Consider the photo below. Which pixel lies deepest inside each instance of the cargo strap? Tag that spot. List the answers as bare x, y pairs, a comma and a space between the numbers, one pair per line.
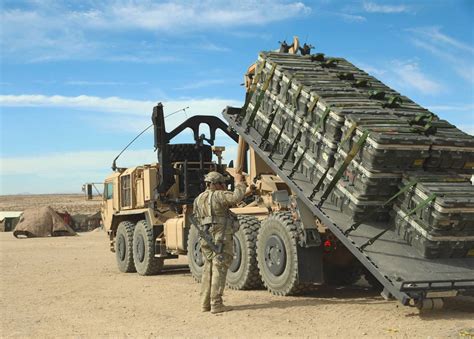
290, 150
420, 206
298, 163
277, 140
421, 118
393, 101
313, 104
378, 95
317, 57
329, 63
321, 180
319, 184
345, 76
423, 123
252, 90
361, 83
322, 120
353, 152
376, 209
261, 94
266, 133
297, 95
348, 134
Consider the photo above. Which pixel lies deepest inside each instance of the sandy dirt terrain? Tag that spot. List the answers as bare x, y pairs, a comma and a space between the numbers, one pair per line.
72, 203
70, 286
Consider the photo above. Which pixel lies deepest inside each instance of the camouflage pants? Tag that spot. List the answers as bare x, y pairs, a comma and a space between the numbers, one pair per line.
215, 270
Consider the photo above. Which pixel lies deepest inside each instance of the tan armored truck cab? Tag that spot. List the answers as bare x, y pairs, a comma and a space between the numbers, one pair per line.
145, 212
145, 208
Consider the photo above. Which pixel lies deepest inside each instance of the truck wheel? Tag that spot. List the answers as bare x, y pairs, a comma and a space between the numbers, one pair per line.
277, 255
124, 247
144, 250
195, 259
243, 271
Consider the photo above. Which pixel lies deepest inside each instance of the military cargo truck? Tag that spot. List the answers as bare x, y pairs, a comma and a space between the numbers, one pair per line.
146, 212
324, 147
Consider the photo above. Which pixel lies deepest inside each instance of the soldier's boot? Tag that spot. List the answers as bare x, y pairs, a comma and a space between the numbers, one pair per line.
219, 273
220, 309
206, 287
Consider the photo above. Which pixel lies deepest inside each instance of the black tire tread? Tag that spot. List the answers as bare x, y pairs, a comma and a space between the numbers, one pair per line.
250, 226
155, 265
128, 227
196, 276
294, 288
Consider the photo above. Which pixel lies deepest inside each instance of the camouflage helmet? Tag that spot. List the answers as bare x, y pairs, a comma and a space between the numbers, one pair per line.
214, 178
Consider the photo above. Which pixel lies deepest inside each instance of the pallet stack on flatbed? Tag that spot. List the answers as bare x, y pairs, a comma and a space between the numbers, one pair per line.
373, 153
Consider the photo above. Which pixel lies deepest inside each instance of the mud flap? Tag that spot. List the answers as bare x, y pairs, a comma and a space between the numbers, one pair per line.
310, 264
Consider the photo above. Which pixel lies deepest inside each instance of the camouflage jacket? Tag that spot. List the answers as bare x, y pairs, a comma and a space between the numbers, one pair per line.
212, 207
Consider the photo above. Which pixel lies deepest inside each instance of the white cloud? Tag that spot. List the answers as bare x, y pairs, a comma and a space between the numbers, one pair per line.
454, 53
103, 83
64, 172
408, 74
371, 69
403, 75
455, 108
109, 104
54, 163
209, 46
134, 114
351, 17
67, 172
207, 106
47, 32
201, 84
372, 7
435, 35
469, 129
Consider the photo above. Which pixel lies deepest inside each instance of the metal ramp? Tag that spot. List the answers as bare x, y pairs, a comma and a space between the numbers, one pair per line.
404, 274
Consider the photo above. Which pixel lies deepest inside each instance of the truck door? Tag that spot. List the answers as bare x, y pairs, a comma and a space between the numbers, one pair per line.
108, 204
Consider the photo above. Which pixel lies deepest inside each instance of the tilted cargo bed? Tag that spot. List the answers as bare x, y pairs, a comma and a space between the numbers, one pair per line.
402, 271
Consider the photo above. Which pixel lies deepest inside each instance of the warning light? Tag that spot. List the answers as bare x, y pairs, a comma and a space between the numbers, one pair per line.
327, 245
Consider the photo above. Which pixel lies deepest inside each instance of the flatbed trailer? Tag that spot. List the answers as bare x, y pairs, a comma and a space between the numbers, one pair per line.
402, 271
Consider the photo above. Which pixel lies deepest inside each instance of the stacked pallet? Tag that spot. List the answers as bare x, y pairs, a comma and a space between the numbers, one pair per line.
437, 214
355, 138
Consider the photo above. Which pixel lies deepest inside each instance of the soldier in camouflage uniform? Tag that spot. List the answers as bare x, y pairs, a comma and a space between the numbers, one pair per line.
211, 209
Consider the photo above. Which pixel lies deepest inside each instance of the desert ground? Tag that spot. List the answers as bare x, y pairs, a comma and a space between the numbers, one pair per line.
70, 286
72, 203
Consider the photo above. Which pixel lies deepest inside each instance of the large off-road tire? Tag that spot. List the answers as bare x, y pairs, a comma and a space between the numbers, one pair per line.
243, 271
195, 259
144, 250
277, 255
124, 247
181, 152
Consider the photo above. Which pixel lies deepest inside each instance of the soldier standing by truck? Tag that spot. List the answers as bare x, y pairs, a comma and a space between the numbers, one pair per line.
212, 212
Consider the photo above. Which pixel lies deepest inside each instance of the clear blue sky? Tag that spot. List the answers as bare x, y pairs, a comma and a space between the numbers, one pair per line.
79, 78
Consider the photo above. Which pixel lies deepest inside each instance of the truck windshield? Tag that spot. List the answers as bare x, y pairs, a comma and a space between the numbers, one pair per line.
108, 191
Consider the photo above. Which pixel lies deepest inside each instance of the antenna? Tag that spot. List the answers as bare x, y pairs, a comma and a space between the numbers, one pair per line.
114, 165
